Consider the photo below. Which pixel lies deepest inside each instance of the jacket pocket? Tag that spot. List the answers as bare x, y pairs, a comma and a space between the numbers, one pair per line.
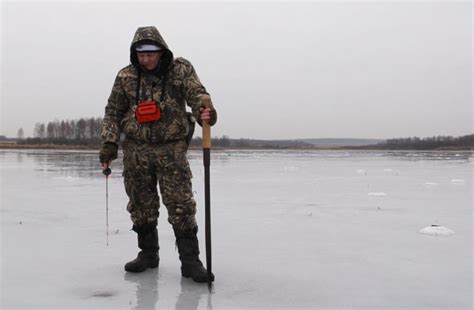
130, 126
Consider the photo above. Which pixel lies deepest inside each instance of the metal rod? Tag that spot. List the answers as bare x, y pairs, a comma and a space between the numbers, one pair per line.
107, 171
207, 195
107, 207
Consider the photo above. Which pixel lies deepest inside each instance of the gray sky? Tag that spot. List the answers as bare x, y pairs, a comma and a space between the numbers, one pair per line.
274, 70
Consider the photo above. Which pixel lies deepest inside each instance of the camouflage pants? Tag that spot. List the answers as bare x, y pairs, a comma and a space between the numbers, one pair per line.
147, 165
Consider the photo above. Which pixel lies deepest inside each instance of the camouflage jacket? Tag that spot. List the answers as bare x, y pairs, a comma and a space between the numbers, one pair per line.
175, 81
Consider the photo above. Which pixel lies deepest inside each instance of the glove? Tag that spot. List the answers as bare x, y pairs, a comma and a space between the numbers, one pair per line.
212, 113
108, 152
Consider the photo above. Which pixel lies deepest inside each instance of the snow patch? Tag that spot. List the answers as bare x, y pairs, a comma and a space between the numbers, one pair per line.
457, 181
431, 184
377, 194
435, 230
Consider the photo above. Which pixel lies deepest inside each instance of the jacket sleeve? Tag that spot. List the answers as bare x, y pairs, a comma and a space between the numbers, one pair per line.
194, 90
114, 111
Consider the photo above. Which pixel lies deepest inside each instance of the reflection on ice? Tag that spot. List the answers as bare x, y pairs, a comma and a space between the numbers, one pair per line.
191, 295
147, 292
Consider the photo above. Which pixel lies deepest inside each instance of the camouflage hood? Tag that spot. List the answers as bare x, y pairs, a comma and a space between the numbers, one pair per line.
151, 35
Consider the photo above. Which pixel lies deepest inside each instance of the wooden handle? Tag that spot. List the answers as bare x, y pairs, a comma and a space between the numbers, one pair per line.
206, 128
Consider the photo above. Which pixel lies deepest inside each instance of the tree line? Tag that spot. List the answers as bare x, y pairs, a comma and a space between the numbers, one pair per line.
82, 131
429, 143
86, 131
227, 142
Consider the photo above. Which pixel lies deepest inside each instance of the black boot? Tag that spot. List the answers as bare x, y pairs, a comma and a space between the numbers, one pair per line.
148, 242
188, 248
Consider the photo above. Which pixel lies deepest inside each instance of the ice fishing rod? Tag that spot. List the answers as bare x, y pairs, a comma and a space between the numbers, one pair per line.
107, 171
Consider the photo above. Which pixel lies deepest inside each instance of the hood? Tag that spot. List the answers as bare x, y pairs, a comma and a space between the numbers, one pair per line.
151, 35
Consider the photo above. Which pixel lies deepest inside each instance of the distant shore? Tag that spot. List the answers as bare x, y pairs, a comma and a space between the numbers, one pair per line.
194, 147
47, 146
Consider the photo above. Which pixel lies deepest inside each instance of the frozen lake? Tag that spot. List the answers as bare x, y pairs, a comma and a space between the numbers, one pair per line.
291, 229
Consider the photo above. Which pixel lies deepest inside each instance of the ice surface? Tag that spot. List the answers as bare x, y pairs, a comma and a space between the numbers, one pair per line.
291, 230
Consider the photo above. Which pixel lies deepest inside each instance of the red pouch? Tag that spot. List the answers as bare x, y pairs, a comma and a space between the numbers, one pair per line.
147, 111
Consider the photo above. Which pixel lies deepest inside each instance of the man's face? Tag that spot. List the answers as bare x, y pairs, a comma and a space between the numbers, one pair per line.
149, 61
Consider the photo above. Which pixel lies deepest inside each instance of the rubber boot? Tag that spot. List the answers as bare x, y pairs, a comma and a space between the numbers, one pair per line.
188, 248
148, 243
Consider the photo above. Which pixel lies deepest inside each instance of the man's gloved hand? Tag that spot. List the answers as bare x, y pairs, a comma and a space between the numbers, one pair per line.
207, 114
108, 152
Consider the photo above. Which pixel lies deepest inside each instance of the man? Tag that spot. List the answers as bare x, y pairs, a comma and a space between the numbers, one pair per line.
148, 105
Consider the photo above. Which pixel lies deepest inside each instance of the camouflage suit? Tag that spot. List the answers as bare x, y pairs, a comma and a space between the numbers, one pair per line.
155, 152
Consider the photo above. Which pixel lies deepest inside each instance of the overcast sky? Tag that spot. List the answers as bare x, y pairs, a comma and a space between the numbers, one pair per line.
274, 70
